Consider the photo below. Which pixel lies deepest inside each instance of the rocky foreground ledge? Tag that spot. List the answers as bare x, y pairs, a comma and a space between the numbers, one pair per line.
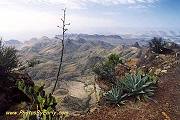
10, 95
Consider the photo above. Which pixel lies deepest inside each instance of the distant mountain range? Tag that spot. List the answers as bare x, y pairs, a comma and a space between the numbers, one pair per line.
76, 58
126, 39
14, 43
113, 39
81, 53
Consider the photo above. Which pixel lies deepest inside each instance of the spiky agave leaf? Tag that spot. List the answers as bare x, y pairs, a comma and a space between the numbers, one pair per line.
115, 95
138, 85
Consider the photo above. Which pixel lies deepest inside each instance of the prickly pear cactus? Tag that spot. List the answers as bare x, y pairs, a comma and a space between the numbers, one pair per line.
45, 102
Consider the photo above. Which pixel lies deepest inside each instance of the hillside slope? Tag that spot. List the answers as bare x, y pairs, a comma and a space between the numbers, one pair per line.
167, 106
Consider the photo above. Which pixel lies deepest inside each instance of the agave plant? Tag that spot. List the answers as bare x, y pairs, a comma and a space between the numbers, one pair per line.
115, 95
139, 86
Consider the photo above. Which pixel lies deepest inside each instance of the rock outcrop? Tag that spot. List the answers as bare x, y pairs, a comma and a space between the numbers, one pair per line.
76, 104
10, 95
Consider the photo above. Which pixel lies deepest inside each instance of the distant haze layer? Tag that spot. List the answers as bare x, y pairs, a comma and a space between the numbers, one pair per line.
23, 19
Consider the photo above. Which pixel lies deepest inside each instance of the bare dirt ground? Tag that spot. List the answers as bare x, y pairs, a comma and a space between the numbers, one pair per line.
167, 107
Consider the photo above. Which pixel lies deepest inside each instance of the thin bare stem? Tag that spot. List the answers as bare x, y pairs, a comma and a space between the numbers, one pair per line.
62, 51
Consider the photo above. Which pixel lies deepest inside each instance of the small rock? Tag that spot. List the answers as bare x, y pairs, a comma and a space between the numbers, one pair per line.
157, 72
162, 56
167, 67
93, 109
89, 88
163, 71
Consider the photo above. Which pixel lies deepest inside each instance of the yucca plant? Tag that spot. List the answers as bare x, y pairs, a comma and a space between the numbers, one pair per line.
115, 96
139, 86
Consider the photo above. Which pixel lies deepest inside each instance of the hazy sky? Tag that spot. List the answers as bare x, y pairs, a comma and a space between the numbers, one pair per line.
24, 19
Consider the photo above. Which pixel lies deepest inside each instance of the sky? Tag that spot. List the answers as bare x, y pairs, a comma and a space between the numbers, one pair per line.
25, 19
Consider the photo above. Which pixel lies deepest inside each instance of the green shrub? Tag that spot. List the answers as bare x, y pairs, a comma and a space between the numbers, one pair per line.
159, 46
156, 44
106, 70
8, 58
114, 59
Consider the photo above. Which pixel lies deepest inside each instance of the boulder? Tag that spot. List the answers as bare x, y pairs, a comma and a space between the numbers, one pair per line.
77, 104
